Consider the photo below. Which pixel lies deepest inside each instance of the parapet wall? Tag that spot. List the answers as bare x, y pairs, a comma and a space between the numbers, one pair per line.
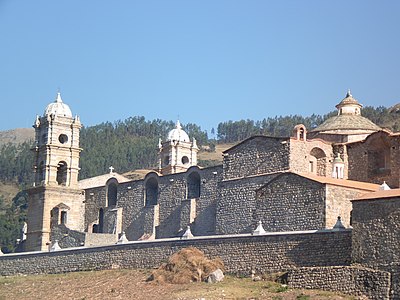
240, 253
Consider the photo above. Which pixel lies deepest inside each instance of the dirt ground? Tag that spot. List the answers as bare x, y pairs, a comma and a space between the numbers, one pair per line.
131, 284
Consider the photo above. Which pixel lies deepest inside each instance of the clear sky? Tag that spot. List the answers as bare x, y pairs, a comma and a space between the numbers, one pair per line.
205, 61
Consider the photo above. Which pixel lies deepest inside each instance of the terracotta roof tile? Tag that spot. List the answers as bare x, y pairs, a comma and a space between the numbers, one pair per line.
342, 182
379, 195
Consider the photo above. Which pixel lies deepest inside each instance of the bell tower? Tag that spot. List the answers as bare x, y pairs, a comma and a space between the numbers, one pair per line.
55, 197
177, 153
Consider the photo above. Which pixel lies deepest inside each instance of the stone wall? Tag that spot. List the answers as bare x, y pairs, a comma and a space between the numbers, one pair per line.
352, 280
138, 219
338, 204
256, 155
301, 153
376, 236
236, 204
240, 254
290, 202
376, 159
66, 237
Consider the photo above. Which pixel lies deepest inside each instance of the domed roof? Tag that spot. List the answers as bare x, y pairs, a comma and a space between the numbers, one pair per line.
178, 134
347, 123
348, 120
58, 107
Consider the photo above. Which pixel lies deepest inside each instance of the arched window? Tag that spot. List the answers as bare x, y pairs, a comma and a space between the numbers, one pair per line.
317, 163
112, 191
151, 192
193, 184
62, 173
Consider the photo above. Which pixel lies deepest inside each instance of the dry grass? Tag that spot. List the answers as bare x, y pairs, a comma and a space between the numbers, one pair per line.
185, 266
217, 155
131, 284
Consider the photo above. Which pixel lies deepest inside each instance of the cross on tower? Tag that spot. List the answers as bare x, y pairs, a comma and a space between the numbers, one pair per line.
111, 169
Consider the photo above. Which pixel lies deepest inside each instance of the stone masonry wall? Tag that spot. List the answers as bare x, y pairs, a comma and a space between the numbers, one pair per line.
376, 237
290, 202
172, 194
363, 157
236, 204
300, 155
352, 280
256, 155
240, 254
338, 204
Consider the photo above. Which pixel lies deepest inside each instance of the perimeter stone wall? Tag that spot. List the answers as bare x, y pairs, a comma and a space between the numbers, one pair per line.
240, 254
376, 237
352, 280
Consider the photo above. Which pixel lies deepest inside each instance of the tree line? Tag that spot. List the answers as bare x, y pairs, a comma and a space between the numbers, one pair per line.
132, 143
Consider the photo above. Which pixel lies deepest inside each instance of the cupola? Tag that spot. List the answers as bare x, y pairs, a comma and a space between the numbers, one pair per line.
178, 134
58, 107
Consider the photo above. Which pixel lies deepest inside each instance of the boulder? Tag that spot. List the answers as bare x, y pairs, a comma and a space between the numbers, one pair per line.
216, 276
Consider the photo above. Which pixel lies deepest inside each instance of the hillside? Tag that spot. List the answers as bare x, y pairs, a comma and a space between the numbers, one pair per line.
16, 136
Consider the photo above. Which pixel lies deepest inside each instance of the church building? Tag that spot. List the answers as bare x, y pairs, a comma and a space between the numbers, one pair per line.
301, 182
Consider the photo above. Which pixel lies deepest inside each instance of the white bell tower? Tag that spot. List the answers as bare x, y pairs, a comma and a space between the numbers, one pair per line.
177, 153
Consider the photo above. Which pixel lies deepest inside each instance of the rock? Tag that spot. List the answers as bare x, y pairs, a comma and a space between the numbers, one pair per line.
216, 276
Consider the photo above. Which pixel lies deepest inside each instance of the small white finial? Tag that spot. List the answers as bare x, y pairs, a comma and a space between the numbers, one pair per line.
384, 187
188, 234
122, 239
339, 225
58, 99
260, 229
111, 169
194, 144
55, 246
37, 121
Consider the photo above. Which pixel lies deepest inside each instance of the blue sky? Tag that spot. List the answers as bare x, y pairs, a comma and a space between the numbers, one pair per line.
204, 61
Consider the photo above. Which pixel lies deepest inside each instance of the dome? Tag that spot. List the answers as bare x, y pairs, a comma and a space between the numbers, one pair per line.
347, 123
58, 108
348, 120
178, 134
